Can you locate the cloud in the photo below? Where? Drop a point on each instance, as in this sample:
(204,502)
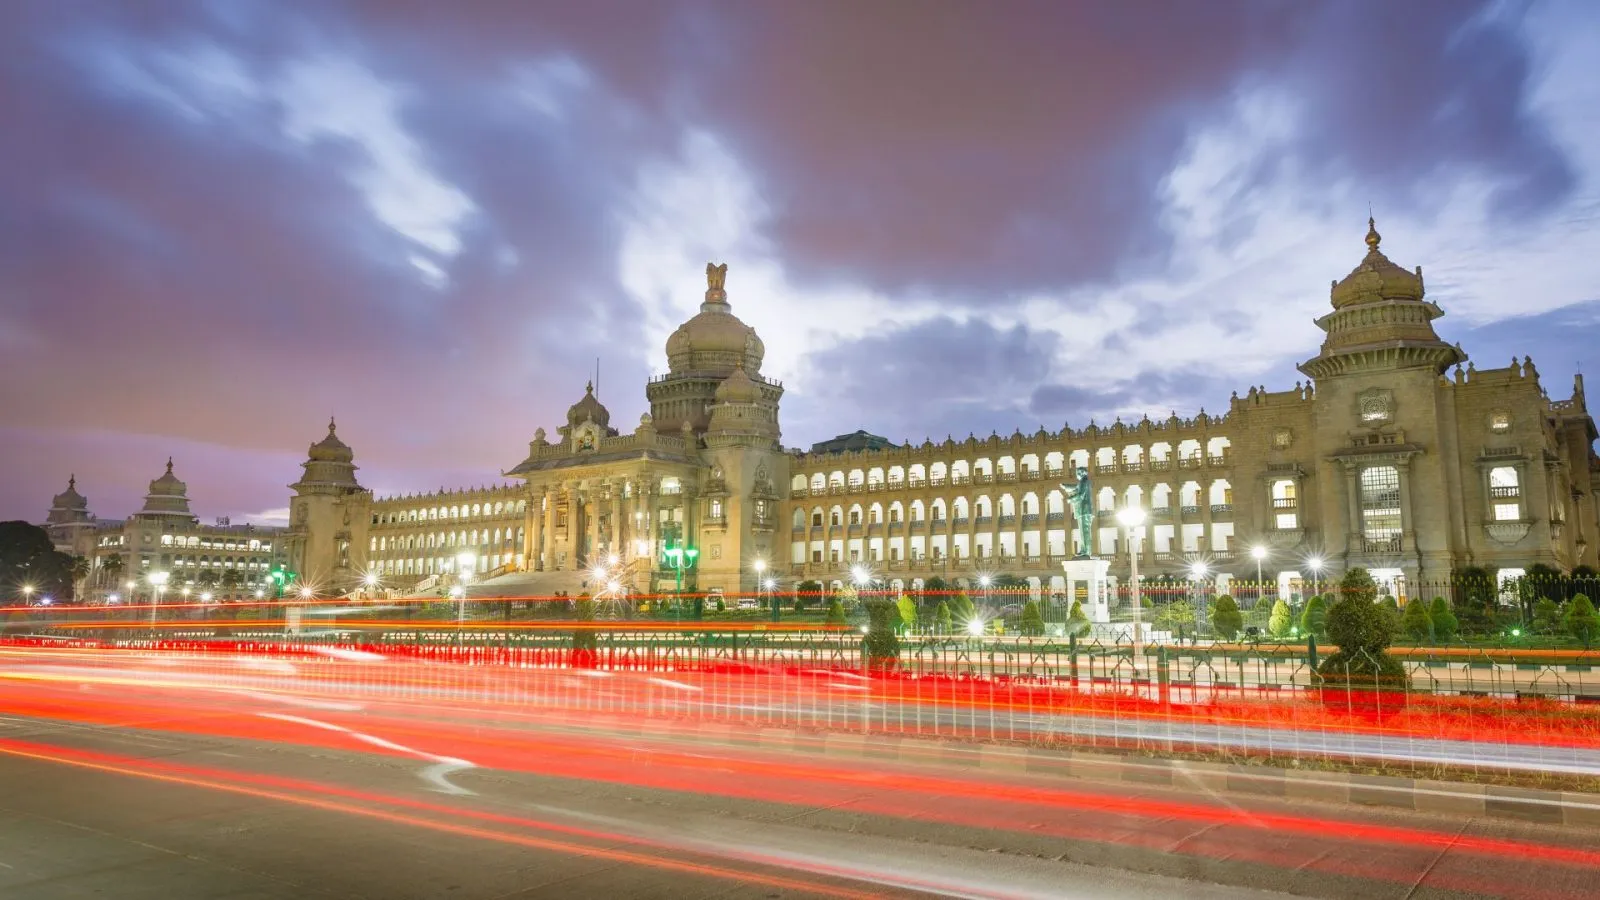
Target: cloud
(226,221)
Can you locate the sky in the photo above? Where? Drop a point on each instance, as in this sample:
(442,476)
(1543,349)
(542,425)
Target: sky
(222,223)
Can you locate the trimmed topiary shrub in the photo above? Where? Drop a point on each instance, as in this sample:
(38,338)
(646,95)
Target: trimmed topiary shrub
(1032,622)
(1078,623)
(880,649)
(1415,621)
(1226,620)
(1363,632)
(1581,620)
(1281,620)
(1313,619)
(941,617)
(835,612)
(1445,625)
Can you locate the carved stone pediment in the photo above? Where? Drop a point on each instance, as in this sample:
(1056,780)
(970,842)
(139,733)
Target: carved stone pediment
(1507,533)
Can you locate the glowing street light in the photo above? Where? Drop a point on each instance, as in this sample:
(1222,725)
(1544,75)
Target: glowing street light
(1259,553)
(27,594)
(466,563)
(158,580)
(113,598)
(1132,519)
(984,581)
(205,597)
(1315,564)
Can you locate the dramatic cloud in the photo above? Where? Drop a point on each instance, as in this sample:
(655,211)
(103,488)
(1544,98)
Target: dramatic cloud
(225,222)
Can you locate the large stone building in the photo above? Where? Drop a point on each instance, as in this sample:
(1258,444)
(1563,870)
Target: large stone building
(1396,454)
(165,537)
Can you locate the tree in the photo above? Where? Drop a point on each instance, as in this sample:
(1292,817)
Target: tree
(1313,619)
(1415,621)
(835,612)
(80,569)
(1581,620)
(806,591)
(935,587)
(29,559)
(941,617)
(1226,620)
(880,648)
(111,567)
(907,610)
(1445,625)
(1281,620)
(1032,621)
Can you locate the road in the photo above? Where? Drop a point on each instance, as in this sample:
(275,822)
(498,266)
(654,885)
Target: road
(116,782)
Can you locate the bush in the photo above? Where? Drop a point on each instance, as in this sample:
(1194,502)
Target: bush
(799,604)
(1582,622)
(1363,631)
(835,612)
(1281,620)
(721,606)
(1032,621)
(1226,620)
(585,641)
(1415,621)
(1175,617)
(1078,623)
(1313,619)
(1547,617)
(881,646)
(1445,625)
(941,617)
(961,607)
(1358,584)
(907,608)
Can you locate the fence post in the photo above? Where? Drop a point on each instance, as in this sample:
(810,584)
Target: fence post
(1163,677)
(1072,657)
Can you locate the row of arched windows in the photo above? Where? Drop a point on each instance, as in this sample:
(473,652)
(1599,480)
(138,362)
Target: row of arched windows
(461,511)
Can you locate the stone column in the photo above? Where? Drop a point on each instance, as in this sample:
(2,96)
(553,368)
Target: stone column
(533,530)
(547,532)
(1352,511)
(615,543)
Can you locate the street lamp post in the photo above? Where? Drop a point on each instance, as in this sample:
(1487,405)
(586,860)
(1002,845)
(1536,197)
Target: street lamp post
(1132,518)
(158,580)
(1315,563)
(466,561)
(760,567)
(1198,573)
(983,582)
(1260,553)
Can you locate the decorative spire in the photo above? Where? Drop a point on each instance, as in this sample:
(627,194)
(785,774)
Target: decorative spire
(169,465)
(331,426)
(589,387)
(1373,237)
(716,278)
(72,482)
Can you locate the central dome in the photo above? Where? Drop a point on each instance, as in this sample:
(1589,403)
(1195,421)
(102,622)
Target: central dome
(715,341)
(330,448)
(1376,279)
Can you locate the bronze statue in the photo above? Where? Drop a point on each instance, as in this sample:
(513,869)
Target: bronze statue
(715,276)
(1082,497)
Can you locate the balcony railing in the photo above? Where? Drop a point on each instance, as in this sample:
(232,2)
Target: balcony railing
(1380,545)
(1218,509)
(1284,503)
(1506,493)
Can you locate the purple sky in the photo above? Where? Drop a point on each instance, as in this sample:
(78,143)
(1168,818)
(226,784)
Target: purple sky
(221,222)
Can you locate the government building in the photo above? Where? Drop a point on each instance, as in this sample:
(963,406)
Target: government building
(163,539)
(1396,453)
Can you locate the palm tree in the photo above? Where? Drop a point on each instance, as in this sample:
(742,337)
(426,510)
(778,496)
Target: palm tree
(230,583)
(111,566)
(80,569)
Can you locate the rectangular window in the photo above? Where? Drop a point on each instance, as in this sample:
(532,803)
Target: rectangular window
(1380,504)
(1507,512)
(1288,521)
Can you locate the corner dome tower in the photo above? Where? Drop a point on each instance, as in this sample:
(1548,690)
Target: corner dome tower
(1381,319)
(329,467)
(69,507)
(168,499)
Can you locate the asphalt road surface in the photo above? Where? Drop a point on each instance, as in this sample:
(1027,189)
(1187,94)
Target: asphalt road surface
(122,787)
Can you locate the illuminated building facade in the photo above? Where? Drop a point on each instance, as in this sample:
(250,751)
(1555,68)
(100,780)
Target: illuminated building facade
(1396,454)
(163,536)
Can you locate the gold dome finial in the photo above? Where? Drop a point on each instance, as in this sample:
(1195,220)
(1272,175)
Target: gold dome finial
(169,465)
(1373,237)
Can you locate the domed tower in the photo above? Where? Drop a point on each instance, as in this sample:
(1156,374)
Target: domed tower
(328,518)
(69,517)
(588,420)
(1380,321)
(700,354)
(167,501)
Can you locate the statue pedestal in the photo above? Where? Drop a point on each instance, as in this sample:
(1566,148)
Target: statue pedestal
(1092,574)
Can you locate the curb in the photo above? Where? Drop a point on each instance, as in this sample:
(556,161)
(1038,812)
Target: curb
(1565,808)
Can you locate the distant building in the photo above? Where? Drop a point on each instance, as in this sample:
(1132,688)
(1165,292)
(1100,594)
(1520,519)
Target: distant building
(1396,454)
(163,536)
